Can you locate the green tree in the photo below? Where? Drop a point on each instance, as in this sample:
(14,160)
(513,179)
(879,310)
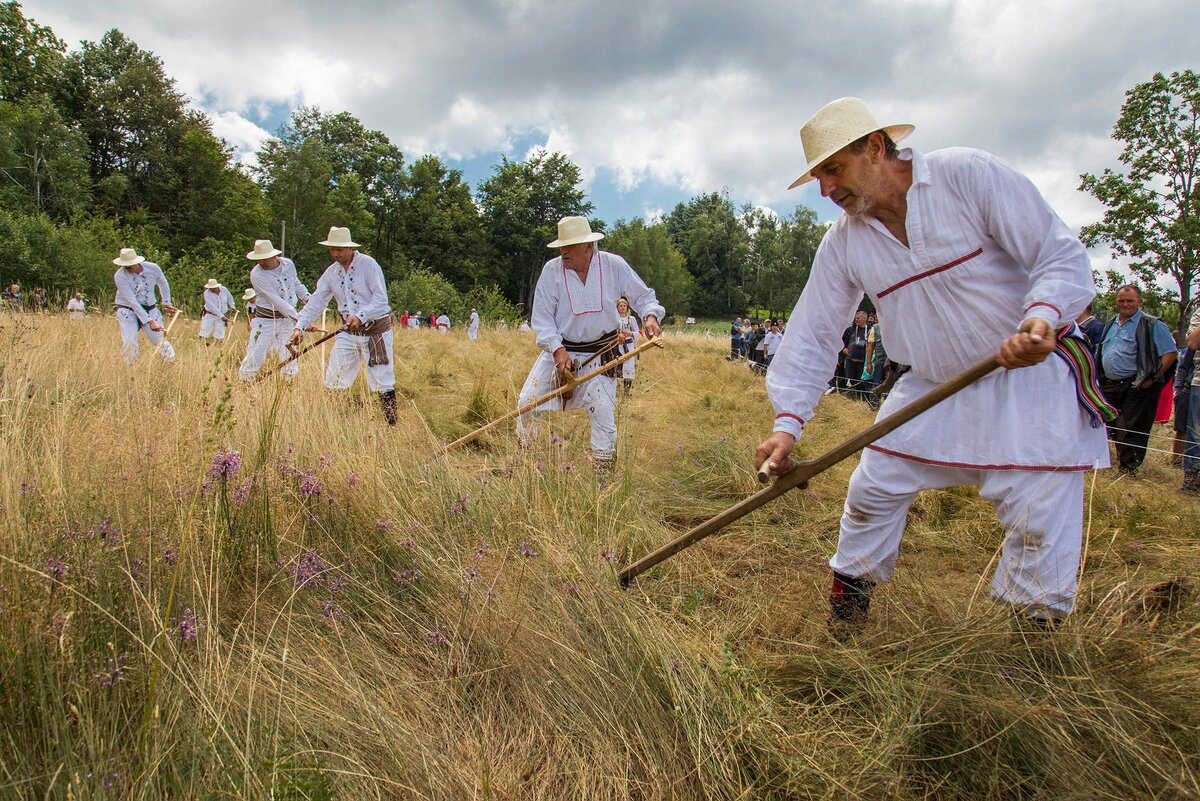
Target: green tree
(714,241)
(42,159)
(649,251)
(522,203)
(1153,214)
(440,226)
(31,56)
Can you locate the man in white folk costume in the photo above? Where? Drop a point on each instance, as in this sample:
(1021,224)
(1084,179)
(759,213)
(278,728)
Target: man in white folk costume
(248,296)
(276,291)
(473,326)
(575,318)
(76,307)
(218,302)
(964,259)
(136,306)
(355,281)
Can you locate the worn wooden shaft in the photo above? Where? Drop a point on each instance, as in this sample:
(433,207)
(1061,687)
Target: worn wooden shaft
(171,324)
(655,342)
(297,354)
(800,474)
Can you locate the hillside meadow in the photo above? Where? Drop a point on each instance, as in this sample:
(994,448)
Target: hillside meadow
(211,590)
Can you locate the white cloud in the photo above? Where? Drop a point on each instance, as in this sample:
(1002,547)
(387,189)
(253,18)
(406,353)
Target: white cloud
(240,133)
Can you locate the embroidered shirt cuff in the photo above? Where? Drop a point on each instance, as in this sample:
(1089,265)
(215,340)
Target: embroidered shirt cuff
(1046,311)
(789,424)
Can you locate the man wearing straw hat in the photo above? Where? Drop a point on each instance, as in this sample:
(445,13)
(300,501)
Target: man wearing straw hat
(277,291)
(136,307)
(248,297)
(218,302)
(355,281)
(576,320)
(935,240)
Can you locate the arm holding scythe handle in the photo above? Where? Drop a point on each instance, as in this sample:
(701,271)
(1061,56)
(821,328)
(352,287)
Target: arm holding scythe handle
(799,475)
(296,354)
(656,342)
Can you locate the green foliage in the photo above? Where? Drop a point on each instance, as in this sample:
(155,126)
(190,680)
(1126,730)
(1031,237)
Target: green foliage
(426,291)
(43,165)
(649,251)
(31,56)
(67,257)
(1153,213)
(440,227)
(713,240)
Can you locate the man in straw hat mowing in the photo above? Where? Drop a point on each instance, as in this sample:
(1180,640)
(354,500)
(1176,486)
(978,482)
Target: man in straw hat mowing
(248,297)
(575,318)
(355,281)
(136,307)
(277,291)
(935,240)
(218,302)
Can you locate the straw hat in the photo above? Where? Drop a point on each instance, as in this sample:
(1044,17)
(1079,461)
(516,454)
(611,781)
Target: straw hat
(128,257)
(212,283)
(249,294)
(339,238)
(574,231)
(836,125)
(263,250)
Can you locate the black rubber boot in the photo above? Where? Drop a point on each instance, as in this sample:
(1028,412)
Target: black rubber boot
(388,401)
(849,601)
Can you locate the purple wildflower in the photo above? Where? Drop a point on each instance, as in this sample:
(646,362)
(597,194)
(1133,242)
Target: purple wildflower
(352,480)
(609,555)
(568,467)
(108,678)
(169,556)
(57,568)
(187,628)
(482,551)
(527,551)
(308,569)
(384,523)
(571,588)
(556,438)
(327,460)
(225,464)
(335,585)
(330,611)
(408,575)
(472,574)
(242,491)
(408,544)
(135,569)
(310,486)
(459,506)
(26,488)
(437,637)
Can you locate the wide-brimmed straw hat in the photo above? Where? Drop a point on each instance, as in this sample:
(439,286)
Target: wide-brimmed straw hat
(574,231)
(249,294)
(127,258)
(836,125)
(339,238)
(263,250)
(212,283)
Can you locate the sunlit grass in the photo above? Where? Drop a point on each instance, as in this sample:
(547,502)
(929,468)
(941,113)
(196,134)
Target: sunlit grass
(350,614)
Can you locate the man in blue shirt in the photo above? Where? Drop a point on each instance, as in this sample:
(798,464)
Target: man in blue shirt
(1136,352)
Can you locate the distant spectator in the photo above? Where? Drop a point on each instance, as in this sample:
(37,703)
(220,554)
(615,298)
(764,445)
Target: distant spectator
(404,320)
(414,322)
(443,323)
(37,301)
(1136,352)
(735,338)
(76,307)
(875,361)
(432,320)
(771,343)
(473,326)
(12,298)
(1183,390)
(1092,328)
(1191,454)
(854,349)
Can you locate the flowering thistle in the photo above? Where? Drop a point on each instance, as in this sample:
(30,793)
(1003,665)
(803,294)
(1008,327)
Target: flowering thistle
(409,544)
(384,523)
(57,568)
(472,574)
(482,551)
(556,438)
(459,506)
(225,464)
(437,637)
(187,628)
(327,460)
(310,485)
(571,588)
(527,551)
(308,569)
(330,611)
(336,585)
(169,556)
(408,575)
(108,678)
(242,491)
(609,555)
(352,480)
(568,467)
(26,488)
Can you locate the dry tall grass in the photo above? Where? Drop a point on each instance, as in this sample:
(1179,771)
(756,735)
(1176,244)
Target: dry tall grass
(350,615)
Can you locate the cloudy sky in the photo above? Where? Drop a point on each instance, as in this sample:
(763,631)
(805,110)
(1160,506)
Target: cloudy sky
(658,100)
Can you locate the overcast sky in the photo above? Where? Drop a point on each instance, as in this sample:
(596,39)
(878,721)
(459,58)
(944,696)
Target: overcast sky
(658,100)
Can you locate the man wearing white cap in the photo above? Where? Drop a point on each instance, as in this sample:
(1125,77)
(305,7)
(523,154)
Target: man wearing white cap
(575,317)
(277,291)
(935,240)
(136,307)
(218,302)
(355,281)
(473,326)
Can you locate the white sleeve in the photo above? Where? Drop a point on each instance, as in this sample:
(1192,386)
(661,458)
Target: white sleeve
(545,303)
(164,289)
(125,296)
(808,354)
(262,286)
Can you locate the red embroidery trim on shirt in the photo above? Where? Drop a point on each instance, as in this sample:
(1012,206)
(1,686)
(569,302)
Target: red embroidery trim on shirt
(928,273)
(567,287)
(1078,468)
(796,417)
(1043,303)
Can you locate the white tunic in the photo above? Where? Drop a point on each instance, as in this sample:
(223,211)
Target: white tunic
(360,290)
(565,307)
(985,252)
(279,289)
(136,291)
(75,308)
(218,303)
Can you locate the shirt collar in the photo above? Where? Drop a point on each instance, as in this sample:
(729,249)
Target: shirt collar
(920,166)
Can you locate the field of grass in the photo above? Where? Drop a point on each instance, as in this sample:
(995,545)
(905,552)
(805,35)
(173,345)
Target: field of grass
(210,590)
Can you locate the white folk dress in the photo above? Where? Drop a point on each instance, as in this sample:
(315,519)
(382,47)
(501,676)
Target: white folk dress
(216,306)
(985,252)
(136,307)
(564,307)
(278,291)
